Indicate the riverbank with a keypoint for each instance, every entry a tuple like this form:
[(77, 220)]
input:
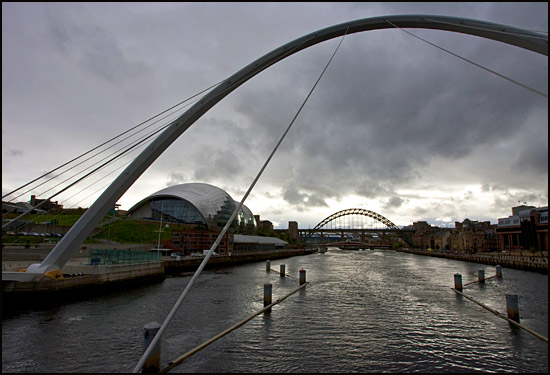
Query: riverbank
[(185, 264), (521, 262), (82, 278)]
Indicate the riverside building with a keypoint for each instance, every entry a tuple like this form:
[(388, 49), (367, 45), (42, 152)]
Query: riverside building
[(525, 229), (202, 211)]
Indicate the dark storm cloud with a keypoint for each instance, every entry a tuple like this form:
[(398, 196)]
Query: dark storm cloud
[(372, 123), (534, 157), (94, 48), (216, 164)]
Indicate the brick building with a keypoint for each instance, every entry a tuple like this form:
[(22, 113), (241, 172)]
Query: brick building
[(466, 237), (472, 236), (526, 229)]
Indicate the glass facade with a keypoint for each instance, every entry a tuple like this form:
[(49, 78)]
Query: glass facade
[(245, 218), (112, 256), (175, 211)]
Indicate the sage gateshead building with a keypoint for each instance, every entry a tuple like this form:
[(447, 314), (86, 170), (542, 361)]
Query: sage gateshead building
[(202, 210), (201, 205)]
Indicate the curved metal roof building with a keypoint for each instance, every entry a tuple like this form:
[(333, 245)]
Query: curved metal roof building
[(192, 203)]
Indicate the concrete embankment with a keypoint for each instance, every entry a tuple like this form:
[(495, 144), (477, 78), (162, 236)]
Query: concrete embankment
[(80, 277), (86, 278), (174, 266), (520, 262)]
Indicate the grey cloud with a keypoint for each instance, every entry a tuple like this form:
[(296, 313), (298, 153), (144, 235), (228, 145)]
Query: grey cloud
[(14, 153), (534, 157), (505, 199), (95, 48), (176, 178), (394, 202), (372, 120), (302, 200), (214, 164)]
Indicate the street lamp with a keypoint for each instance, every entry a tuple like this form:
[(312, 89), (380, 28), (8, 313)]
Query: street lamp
[(160, 226), (160, 230)]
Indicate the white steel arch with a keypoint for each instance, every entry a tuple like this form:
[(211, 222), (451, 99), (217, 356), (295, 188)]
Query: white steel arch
[(71, 242)]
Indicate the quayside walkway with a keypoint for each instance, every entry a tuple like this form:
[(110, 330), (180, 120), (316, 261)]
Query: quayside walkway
[(80, 274), (520, 262)]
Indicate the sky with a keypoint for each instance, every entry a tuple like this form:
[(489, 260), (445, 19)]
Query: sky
[(395, 125)]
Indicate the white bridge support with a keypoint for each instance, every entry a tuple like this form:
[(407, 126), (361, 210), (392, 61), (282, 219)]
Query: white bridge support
[(72, 241)]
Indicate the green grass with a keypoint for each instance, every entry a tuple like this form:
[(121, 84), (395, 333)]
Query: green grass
[(62, 219), (65, 220), (120, 231), (124, 230), (132, 231)]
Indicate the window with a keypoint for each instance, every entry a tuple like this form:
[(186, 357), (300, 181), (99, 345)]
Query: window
[(176, 210)]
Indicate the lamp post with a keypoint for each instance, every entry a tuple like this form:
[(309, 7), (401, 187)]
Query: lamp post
[(160, 230), (160, 227)]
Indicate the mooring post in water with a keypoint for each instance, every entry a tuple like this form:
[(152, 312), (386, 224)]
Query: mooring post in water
[(282, 270), (458, 282), (302, 276), (512, 307), (267, 294), (499, 272), (480, 276), (267, 265), (152, 363)]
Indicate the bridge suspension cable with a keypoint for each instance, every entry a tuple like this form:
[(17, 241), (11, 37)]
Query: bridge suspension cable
[(77, 181), (472, 62), (107, 142), (114, 156), (228, 223)]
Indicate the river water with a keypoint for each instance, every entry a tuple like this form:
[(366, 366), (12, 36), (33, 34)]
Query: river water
[(362, 311)]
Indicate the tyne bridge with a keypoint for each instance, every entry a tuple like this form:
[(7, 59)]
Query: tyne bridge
[(354, 229)]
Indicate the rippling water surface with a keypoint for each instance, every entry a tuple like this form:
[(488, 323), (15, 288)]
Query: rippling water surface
[(362, 311)]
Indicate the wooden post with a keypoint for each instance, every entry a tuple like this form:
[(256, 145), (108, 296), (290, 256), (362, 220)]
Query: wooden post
[(499, 272), (282, 270), (302, 276), (267, 294), (267, 265), (512, 307), (152, 363), (480, 276), (458, 282)]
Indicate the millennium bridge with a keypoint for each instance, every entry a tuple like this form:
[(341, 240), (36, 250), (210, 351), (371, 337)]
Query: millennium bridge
[(70, 243)]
